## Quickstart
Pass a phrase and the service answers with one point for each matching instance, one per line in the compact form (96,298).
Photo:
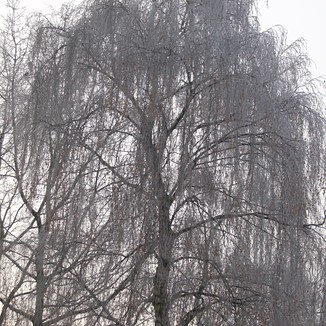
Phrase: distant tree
(163,162)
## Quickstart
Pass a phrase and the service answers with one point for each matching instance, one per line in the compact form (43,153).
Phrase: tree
(168,163)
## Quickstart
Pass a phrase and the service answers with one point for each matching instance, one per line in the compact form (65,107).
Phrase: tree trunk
(40,278)
(161,279)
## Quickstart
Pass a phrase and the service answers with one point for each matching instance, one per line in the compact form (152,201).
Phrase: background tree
(167,162)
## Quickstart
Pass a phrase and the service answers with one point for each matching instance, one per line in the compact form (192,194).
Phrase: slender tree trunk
(160,299)
(161,279)
(40,278)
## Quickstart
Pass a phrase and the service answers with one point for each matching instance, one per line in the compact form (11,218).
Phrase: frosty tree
(162,164)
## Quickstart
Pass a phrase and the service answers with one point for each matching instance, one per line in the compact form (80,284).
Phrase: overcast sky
(301,18)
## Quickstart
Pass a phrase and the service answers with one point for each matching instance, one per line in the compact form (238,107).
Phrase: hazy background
(301,18)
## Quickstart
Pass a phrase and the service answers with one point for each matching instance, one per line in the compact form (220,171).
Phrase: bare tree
(167,157)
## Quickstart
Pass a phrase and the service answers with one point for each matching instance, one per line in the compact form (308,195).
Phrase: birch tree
(168,162)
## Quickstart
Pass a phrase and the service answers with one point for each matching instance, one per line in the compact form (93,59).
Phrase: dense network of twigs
(161,163)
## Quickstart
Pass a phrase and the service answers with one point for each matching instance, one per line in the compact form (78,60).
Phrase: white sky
(301,18)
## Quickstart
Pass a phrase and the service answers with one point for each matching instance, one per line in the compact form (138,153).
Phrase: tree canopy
(161,163)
